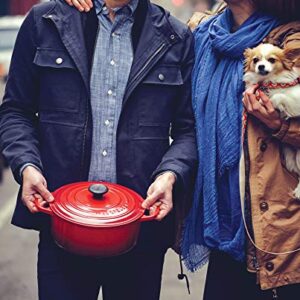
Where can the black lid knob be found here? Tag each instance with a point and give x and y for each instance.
(98, 190)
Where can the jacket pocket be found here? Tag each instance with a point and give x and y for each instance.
(60, 82)
(158, 96)
(152, 132)
(168, 75)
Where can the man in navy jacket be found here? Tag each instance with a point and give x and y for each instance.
(46, 134)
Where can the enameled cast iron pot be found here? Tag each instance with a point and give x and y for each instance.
(96, 219)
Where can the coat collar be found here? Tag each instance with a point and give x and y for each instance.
(151, 30)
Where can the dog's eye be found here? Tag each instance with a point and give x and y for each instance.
(272, 60)
(255, 60)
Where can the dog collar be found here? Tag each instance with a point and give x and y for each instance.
(272, 85)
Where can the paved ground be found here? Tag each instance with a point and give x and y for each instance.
(18, 259)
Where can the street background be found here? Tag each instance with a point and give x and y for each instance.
(18, 248)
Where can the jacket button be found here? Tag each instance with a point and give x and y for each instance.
(161, 77)
(59, 61)
(269, 266)
(264, 206)
(263, 147)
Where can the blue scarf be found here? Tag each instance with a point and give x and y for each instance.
(215, 220)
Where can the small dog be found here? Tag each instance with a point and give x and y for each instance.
(277, 71)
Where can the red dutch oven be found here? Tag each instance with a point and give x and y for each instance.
(96, 219)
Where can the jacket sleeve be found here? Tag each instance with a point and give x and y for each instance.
(289, 133)
(181, 158)
(18, 112)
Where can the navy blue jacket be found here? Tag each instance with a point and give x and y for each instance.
(46, 119)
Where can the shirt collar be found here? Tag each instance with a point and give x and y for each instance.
(100, 4)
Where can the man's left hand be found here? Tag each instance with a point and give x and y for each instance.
(259, 105)
(160, 195)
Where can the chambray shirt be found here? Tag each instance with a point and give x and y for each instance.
(111, 66)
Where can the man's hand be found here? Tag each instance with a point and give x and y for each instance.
(34, 186)
(160, 195)
(260, 106)
(81, 5)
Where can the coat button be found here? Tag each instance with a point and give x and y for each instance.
(172, 37)
(263, 147)
(264, 206)
(161, 77)
(269, 266)
(59, 61)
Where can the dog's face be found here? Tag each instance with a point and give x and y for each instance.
(267, 60)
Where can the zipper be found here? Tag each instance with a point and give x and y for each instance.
(87, 111)
(255, 264)
(151, 58)
(275, 295)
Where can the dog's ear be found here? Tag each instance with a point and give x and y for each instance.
(248, 54)
(292, 56)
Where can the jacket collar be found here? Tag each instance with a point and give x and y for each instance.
(150, 31)
(68, 22)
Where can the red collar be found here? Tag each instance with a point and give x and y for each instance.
(272, 85)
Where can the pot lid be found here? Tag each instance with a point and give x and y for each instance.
(97, 204)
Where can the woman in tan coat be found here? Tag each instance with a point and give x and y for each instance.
(258, 184)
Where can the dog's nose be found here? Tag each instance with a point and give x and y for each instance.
(262, 70)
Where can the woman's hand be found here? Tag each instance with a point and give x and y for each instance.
(81, 5)
(259, 105)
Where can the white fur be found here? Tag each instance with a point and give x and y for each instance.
(286, 100)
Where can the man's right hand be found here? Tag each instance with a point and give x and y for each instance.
(34, 186)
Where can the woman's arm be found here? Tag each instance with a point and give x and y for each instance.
(81, 5)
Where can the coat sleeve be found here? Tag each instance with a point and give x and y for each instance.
(289, 133)
(18, 112)
(181, 158)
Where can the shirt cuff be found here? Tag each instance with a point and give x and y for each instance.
(27, 165)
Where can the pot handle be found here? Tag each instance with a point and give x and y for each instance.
(46, 210)
(152, 217)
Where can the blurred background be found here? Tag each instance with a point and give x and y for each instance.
(18, 248)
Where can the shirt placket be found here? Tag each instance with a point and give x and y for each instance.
(109, 164)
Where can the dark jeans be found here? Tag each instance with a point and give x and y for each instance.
(229, 280)
(64, 276)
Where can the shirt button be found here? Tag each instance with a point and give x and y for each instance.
(110, 92)
(161, 77)
(264, 206)
(112, 62)
(104, 153)
(107, 122)
(269, 266)
(59, 61)
(113, 34)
